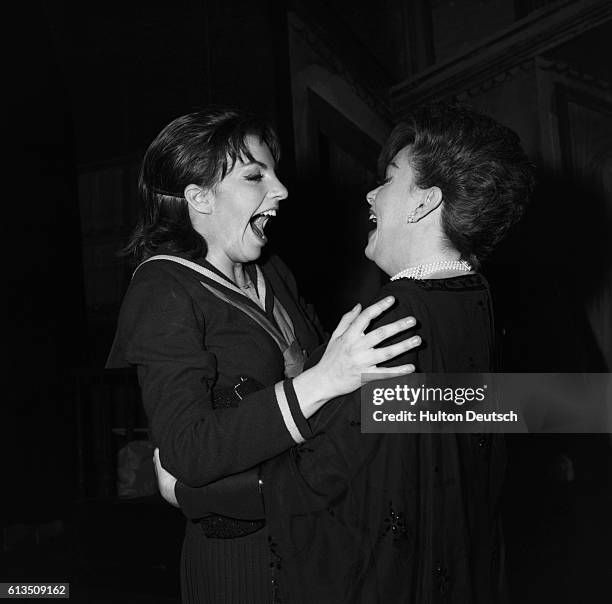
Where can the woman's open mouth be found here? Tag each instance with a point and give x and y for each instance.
(258, 223)
(372, 219)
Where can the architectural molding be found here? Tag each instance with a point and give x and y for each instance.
(495, 81)
(330, 60)
(502, 56)
(572, 73)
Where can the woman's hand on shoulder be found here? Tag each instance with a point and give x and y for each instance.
(165, 481)
(351, 356)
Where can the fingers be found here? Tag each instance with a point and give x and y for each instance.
(360, 323)
(376, 336)
(345, 321)
(380, 355)
(156, 462)
(375, 373)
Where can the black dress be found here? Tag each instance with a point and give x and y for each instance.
(372, 518)
(188, 346)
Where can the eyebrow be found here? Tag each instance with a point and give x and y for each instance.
(392, 163)
(256, 163)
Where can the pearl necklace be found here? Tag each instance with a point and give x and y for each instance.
(423, 270)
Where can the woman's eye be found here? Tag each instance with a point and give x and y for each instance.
(384, 181)
(255, 177)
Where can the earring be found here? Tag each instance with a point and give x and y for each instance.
(411, 218)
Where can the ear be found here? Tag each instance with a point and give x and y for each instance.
(431, 200)
(200, 200)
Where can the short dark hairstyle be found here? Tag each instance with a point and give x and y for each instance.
(198, 148)
(479, 165)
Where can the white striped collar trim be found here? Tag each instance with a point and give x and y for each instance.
(261, 288)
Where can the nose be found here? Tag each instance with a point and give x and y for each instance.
(371, 196)
(278, 190)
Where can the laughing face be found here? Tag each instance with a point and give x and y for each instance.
(240, 207)
(390, 204)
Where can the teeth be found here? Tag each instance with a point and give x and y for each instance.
(259, 221)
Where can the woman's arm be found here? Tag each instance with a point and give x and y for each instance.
(162, 333)
(237, 496)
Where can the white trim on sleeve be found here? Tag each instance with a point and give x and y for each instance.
(283, 405)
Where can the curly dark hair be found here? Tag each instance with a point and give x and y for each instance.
(479, 165)
(197, 148)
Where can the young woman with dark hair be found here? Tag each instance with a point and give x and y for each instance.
(375, 518)
(195, 148)
(219, 341)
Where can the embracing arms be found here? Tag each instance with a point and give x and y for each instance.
(319, 465)
(162, 332)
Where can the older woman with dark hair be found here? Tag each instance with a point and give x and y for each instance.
(464, 180)
(219, 341)
(415, 517)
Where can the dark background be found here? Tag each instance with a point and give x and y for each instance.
(85, 89)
